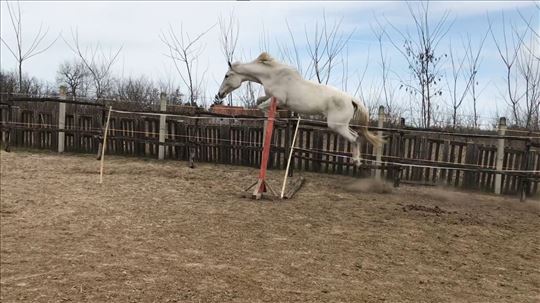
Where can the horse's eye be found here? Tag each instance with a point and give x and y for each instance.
(226, 76)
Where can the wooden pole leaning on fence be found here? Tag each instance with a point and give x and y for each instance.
(500, 155)
(62, 120)
(162, 126)
(379, 150)
(104, 146)
(289, 163)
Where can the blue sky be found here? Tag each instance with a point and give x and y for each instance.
(137, 24)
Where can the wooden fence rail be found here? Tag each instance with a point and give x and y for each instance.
(435, 157)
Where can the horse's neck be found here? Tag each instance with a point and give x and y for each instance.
(252, 72)
(267, 76)
(250, 78)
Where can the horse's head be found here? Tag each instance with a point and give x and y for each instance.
(232, 81)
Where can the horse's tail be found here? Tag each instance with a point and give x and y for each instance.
(361, 117)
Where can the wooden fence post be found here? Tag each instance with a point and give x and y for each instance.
(398, 169)
(379, 150)
(10, 127)
(162, 126)
(62, 120)
(2, 121)
(500, 155)
(524, 185)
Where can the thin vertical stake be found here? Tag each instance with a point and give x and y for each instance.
(104, 146)
(379, 147)
(290, 157)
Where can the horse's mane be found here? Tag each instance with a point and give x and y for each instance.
(266, 59)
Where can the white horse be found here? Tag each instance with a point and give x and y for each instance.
(301, 96)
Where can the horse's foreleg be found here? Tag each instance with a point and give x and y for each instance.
(265, 105)
(262, 99)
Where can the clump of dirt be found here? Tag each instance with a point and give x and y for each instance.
(369, 186)
(442, 193)
(415, 207)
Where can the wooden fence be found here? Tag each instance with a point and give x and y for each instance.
(410, 155)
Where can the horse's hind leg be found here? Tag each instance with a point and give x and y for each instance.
(351, 136)
(358, 148)
(338, 121)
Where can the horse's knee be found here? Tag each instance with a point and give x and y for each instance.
(264, 106)
(260, 100)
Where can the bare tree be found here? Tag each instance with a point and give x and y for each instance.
(534, 31)
(74, 76)
(20, 52)
(423, 61)
(528, 71)
(289, 52)
(229, 30)
(8, 82)
(204, 100)
(264, 41)
(473, 65)
(324, 48)
(370, 93)
(97, 62)
(185, 52)
(509, 50)
(248, 95)
(167, 85)
(140, 90)
(457, 91)
(388, 89)
(366, 96)
(345, 70)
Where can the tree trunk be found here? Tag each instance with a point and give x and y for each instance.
(20, 77)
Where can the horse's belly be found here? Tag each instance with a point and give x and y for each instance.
(306, 103)
(305, 108)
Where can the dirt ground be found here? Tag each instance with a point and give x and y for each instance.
(162, 232)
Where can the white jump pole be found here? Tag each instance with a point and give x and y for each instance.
(104, 145)
(289, 161)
